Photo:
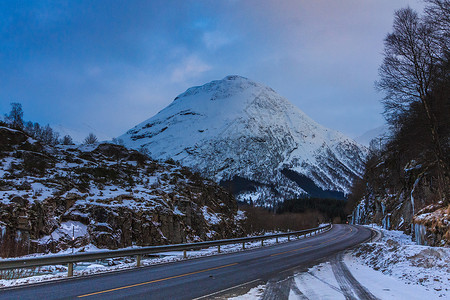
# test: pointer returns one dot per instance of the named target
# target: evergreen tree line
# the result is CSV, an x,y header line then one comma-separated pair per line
x,y
329,208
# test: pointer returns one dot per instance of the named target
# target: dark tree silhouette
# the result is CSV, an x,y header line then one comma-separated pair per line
x,y
90,139
15,117
67,140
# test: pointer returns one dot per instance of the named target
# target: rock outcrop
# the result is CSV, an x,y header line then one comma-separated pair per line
x,y
104,195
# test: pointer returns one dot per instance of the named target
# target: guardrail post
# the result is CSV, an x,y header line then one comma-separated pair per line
x,y
138,261
289,238
262,243
184,254
218,249
70,269
277,240
243,246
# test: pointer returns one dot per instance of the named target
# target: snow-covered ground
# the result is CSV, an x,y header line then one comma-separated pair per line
x,y
396,255
394,267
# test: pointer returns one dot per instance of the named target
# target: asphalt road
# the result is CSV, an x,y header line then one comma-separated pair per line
x,y
201,276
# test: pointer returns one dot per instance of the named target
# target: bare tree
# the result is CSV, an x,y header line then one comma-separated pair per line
x,y
36,131
28,127
67,140
414,56
15,117
438,13
410,61
90,139
48,136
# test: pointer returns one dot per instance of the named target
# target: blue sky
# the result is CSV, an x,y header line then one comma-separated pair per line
x,y
106,66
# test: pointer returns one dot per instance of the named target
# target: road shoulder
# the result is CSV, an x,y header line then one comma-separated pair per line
x,y
389,267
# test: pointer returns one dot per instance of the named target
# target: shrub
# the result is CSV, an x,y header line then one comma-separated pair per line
x,y
90,139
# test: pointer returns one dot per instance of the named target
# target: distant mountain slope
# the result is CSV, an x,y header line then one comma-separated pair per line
x,y
78,135
240,132
368,136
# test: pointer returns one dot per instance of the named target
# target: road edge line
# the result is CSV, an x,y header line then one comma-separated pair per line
x,y
227,289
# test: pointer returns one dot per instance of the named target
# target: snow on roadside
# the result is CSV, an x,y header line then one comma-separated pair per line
x,y
319,282
47,273
398,256
254,293
388,287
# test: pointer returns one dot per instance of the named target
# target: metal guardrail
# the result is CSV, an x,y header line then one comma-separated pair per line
x,y
70,259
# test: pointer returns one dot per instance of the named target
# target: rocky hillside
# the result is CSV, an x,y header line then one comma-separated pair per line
x,y
403,195
252,140
104,195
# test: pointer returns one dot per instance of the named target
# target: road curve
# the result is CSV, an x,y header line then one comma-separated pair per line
x,y
197,277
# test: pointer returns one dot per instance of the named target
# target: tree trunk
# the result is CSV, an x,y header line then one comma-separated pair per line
x,y
443,174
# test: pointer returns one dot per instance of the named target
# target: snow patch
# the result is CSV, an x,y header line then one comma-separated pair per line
x,y
211,217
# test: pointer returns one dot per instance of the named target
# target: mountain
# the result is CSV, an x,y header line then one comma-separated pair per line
x,y
375,133
252,140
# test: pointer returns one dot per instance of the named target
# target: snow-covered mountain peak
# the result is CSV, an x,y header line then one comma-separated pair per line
x,y
237,127
222,89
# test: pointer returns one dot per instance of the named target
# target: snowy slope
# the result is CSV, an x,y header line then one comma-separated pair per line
x,y
375,133
78,135
237,127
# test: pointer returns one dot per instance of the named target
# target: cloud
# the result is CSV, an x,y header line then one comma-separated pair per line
x,y
214,40
189,68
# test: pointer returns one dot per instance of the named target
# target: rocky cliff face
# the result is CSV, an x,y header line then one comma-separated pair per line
x,y
106,196
404,196
251,139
